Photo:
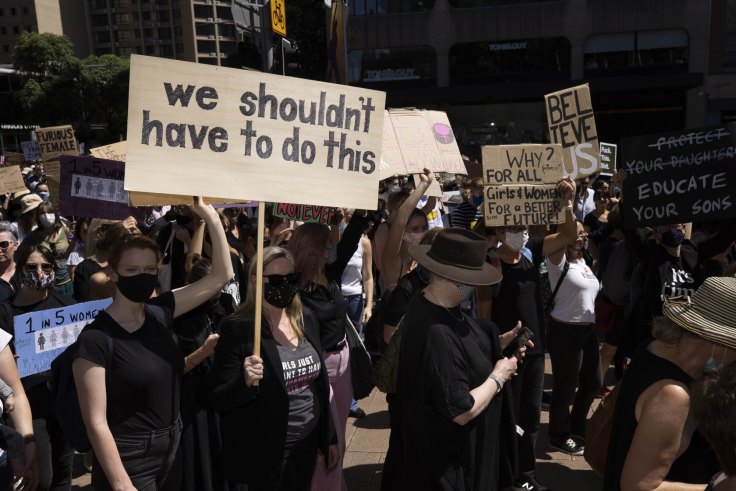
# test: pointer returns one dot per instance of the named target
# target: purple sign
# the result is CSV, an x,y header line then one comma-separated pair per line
x,y
92,187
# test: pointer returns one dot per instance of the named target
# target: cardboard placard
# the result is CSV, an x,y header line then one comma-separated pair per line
x,y
11,180
304,213
522,164
609,152
42,336
679,177
91,187
14,158
425,140
116,151
572,125
511,205
31,151
195,129
56,141
392,163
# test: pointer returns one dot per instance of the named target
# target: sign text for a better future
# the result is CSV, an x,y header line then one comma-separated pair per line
x,y
330,112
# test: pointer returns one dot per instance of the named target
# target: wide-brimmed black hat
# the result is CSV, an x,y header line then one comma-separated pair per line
x,y
458,255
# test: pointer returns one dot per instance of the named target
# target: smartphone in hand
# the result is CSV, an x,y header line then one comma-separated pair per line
x,y
524,335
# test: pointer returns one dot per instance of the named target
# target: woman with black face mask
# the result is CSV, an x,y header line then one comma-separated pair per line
x,y
271,433
128,369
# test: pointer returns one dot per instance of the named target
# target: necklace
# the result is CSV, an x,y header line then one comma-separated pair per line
x,y
436,297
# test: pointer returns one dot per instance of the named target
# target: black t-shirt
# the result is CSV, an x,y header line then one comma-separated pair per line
x,y
442,359
82,274
517,297
401,295
598,230
8,289
144,378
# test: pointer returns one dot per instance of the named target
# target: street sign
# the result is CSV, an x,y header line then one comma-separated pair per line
x,y
278,16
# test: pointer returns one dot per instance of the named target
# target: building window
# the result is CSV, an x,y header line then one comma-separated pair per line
x,y
3,30
6,48
25,10
176,13
2,12
16,30
29,29
146,15
513,60
642,51
150,50
99,20
167,51
164,33
124,35
162,16
177,30
102,36
381,7
13,11
122,19
412,66
467,4
147,33
729,53
137,33
98,4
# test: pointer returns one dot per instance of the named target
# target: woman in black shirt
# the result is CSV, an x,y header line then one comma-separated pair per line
x,y
128,368
320,290
288,414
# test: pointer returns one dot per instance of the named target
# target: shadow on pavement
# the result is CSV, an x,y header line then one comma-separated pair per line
x,y
373,421
560,478
366,477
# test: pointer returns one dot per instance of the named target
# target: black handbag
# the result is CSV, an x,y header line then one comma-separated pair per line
x,y
361,366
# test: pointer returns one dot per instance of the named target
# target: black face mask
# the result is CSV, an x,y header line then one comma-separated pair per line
x,y
281,295
137,288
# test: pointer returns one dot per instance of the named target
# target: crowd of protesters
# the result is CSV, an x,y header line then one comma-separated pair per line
x,y
458,316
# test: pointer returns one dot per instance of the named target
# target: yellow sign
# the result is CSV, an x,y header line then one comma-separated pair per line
x,y
278,17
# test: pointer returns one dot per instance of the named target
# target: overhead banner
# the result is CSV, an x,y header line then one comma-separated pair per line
x,y
512,205
11,180
679,177
571,124
418,139
92,187
522,164
195,129
31,151
56,141
609,152
42,336
304,213
116,151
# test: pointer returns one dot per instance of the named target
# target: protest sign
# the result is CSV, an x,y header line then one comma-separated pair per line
x,y
31,151
14,158
56,141
571,124
116,151
608,158
195,129
304,213
679,177
11,180
91,187
392,163
424,140
42,336
522,164
512,205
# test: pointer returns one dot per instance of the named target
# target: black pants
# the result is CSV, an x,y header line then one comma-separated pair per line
x,y
297,467
573,350
147,457
527,387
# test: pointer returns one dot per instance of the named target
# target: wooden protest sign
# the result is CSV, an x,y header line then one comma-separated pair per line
x,y
608,158
56,141
425,140
14,158
392,162
679,177
92,187
116,151
522,164
304,213
31,151
512,205
195,129
571,124
11,180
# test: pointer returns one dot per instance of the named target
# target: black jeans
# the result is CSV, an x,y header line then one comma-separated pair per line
x,y
147,457
527,387
573,350
297,467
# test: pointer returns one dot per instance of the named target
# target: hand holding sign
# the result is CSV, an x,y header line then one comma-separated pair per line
x,y
567,188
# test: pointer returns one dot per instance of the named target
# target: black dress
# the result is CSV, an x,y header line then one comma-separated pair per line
x,y
697,463
441,360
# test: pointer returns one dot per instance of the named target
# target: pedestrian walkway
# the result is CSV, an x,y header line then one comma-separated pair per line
x,y
367,441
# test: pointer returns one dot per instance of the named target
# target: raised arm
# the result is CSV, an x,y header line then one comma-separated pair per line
x,y
197,293
555,244
195,245
367,278
391,256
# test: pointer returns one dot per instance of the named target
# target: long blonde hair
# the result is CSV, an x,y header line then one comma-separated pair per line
x,y
294,312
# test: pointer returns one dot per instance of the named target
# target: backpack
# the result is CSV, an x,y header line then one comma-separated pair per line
x,y
617,278
387,369
64,396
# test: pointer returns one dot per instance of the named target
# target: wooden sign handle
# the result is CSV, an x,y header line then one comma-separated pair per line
x,y
259,282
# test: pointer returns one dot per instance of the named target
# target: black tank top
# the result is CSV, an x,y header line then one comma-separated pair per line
x,y
696,465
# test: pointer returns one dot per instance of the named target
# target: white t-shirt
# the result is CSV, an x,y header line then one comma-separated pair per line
x,y
575,300
75,258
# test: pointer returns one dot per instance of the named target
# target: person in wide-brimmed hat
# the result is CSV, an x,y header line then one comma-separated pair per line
x,y
457,429
653,439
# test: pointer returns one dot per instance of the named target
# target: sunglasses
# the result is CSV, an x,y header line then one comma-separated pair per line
x,y
4,244
45,267
282,279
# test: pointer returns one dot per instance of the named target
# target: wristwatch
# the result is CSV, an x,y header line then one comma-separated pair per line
x,y
499,382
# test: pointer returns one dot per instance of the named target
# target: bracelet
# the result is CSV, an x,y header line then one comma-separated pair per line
x,y
29,438
498,381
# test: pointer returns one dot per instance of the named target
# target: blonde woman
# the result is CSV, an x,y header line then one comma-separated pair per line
x,y
271,433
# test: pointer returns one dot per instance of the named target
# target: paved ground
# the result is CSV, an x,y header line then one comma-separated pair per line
x,y
367,440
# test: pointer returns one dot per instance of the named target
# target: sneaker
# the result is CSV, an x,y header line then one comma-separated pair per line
x,y
569,446
530,485
357,413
